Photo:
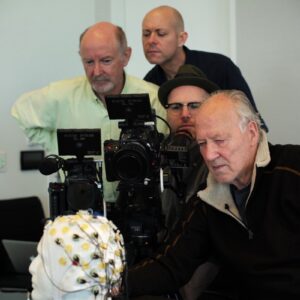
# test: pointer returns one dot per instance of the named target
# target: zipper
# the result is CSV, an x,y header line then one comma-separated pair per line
x,y
250,232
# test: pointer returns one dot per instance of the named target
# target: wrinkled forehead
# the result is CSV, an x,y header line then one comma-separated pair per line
x,y
104,41
218,107
213,117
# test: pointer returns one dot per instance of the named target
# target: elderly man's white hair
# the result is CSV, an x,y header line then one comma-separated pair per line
x,y
79,257
243,106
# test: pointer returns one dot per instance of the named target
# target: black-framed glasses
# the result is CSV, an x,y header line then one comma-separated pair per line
x,y
177,106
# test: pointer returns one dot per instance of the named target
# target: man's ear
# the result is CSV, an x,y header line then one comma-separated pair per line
x,y
254,132
126,56
182,38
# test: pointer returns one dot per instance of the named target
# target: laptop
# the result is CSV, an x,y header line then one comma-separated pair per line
x,y
20,254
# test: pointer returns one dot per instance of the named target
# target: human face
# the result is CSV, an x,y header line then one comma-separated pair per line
x,y
228,151
41,285
161,38
184,120
104,62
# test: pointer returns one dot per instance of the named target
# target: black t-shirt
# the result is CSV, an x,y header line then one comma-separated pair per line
x,y
217,67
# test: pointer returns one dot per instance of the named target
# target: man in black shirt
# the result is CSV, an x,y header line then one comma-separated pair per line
x,y
163,42
248,214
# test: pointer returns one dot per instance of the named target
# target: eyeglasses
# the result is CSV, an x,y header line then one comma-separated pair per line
x,y
177,107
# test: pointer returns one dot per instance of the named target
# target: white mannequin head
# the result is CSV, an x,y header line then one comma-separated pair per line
x,y
79,257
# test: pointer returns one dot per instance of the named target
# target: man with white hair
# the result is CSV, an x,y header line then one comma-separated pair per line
x,y
81,102
247,216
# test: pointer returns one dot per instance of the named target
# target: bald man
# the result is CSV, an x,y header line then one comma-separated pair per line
x,y
80,102
164,38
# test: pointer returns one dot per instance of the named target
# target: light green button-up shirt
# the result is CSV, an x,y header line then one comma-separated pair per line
x,y
72,104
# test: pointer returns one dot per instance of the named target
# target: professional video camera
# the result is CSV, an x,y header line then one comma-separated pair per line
x,y
134,161
82,186
134,158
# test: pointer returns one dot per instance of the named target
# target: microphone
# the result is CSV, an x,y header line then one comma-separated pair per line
x,y
51,164
181,138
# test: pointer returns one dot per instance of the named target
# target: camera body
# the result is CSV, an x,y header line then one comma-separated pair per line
x,y
81,188
175,150
133,159
175,159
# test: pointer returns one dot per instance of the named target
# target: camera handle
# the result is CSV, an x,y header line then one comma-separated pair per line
x,y
161,179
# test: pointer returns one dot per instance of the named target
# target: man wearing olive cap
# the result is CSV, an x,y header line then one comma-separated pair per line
x,y
182,96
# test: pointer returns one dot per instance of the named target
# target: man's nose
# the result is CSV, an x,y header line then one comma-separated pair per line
x,y
152,38
209,151
98,69
185,112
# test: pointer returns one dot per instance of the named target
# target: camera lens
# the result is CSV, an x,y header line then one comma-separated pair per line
x,y
131,163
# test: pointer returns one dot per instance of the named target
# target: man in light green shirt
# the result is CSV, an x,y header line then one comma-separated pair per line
x,y
80,102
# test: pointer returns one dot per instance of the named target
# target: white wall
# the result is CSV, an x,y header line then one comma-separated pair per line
x,y
39,44
268,52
